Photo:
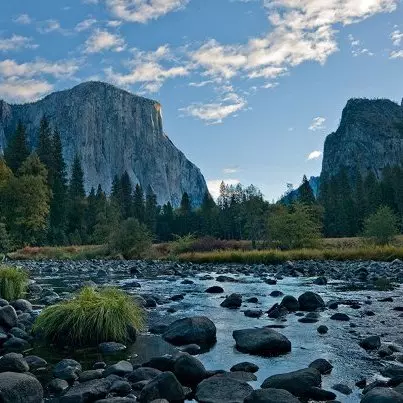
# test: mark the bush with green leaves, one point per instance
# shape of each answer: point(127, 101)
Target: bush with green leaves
point(92, 317)
point(131, 239)
point(382, 226)
point(295, 226)
point(13, 282)
point(5, 241)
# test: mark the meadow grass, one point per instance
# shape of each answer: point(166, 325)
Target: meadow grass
point(273, 256)
point(13, 282)
point(92, 317)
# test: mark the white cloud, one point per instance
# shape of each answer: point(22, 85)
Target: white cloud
point(357, 49)
point(215, 112)
point(16, 42)
point(51, 25)
point(85, 24)
point(150, 69)
point(396, 54)
point(230, 170)
point(318, 123)
point(396, 37)
point(10, 68)
point(17, 90)
point(100, 41)
point(114, 23)
point(314, 155)
point(143, 11)
point(23, 19)
point(214, 186)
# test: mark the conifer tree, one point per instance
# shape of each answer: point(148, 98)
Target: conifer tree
point(45, 148)
point(17, 150)
point(138, 204)
point(125, 199)
point(151, 210)
point(305, 193)
point(77, 204)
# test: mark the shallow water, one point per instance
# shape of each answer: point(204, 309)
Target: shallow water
point(339, 346)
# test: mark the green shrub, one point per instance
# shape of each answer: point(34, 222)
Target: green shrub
point(131, 239)
point(182, 244)
point(13, 282)
point(92, 317)
point(294, 227)
point(5, 242)
point(381, 227)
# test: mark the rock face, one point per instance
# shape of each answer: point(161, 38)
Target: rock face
point(370, 137)
point(112, 131)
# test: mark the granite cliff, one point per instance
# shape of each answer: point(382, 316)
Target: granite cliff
point(113, 131)
point(369, 137)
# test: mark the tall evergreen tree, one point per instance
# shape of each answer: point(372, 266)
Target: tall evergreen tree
point(165, 223)
point(77, 204)
point(151, 210)
point(45, 148)
point(125, 200)
point(58, 204)
point(17, 150)
point(138, 203)
point(305, 193)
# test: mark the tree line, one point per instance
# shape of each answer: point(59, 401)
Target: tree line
point(42, 204)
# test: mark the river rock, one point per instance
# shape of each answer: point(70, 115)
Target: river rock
point(215, 289)
point(221, 389)
point(67, 369)
point(21, 305)
point(290, 303)
point(262, 341)
point(15, 344)
point(164, 386)
point(322, 365)
point(189, 370)
point(310, 301)
point(57, 386)
point(233, 301)
point(382, 395)
point(8, 317)
point(298, 382)
point(340, 317)
point(344, 389)
point(111, 347)
point(322, 329)
point(143, 374)
point(271, 396)
point(13, 362)
point(89, 391)
point(121, 368)
point(245, 367)
point(35, 362)
point(19, 388)
point(371, 343)
point(197, 329)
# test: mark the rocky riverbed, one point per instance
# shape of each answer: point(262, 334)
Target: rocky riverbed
point(298, 331)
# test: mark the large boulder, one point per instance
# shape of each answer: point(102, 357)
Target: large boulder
point(143, 374)
point(298, 383)
point(382, 395)
point(189, 370)
point(21, 305)
point(164, 386)
point(19, 388)
point(271, 396)
point(67, 369)
point(197, 329)
point(222, 389)
point(262, 341)
point(310, 301)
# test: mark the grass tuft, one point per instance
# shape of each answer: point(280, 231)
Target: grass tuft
point(92, 317)
point(13, 282)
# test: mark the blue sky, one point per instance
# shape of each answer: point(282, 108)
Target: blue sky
point(249, 88)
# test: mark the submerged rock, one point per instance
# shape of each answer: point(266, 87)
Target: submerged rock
point(310, 301)
point(19, 388)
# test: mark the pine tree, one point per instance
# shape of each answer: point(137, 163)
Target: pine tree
point(125, 199)
point(77, 204)
point(165, 223)
point(138, 204)
point(91, 215)
point(151, 210)
point(305, 193)
point(17, 150)
point(208, 216)
point(58, 204)
point(45, 148)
